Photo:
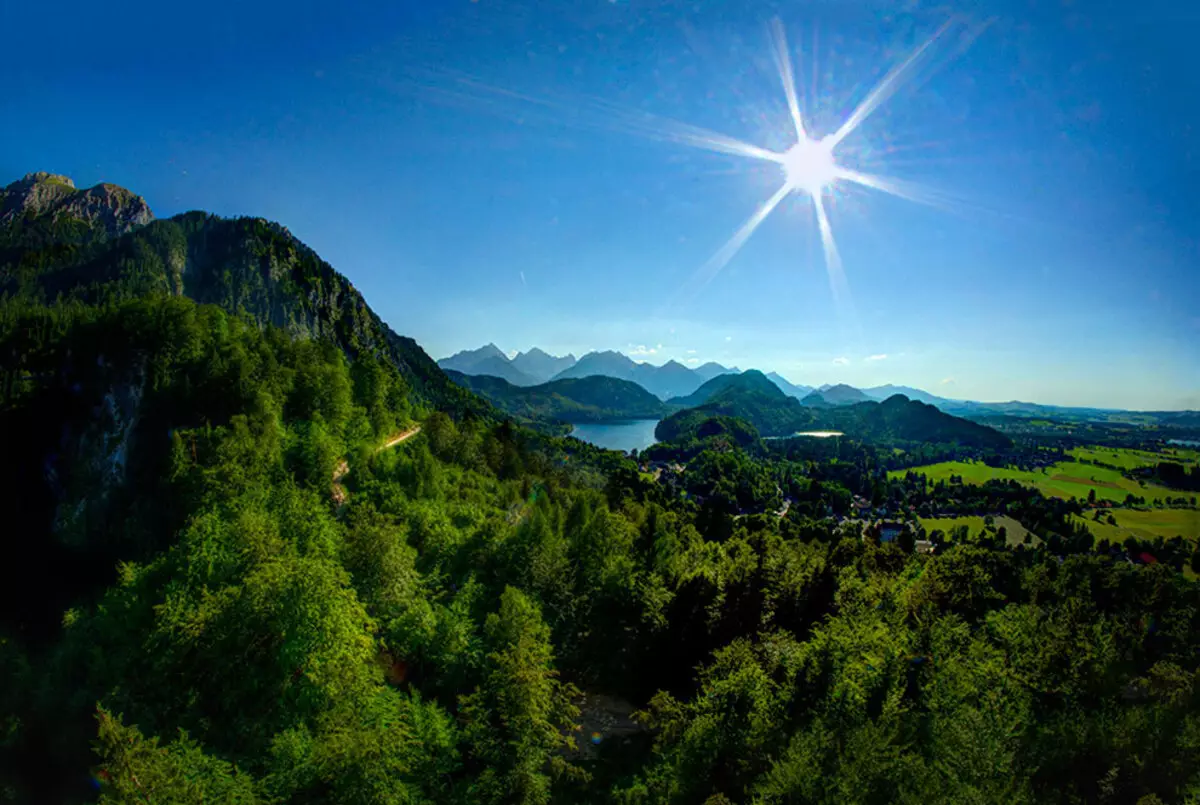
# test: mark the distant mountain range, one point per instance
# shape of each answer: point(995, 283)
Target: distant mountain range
point(487, 361)
point(668, 381)
point(674, 380)
point(541, 366)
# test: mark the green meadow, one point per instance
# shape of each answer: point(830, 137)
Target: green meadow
point(1066, 479)
point(1144, 524)
point(1014, 530)
point(1129, 459)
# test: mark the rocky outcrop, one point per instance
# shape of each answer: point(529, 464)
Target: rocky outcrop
point(105, 208)
point(97, 457)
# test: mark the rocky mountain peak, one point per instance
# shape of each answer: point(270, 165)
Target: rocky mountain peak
point(106, 207)
point(40, 177)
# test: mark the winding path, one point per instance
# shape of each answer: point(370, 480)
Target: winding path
point(395, 440)
point(342, 469)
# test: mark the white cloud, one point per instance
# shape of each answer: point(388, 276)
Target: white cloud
point(692, 360)
point(691, 352)
point(512, 353)
point(841, 361)
point(947, 381)
point(728, 338)
point(880, 357)
point(641, 349)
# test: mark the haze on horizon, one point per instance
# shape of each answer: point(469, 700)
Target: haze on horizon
point(1060, 266)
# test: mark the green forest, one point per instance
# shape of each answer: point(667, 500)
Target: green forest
point(221, 586)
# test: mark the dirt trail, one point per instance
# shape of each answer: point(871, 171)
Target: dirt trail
point(342, 469)
point(395, 440)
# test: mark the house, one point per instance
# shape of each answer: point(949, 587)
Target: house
point(924, 546)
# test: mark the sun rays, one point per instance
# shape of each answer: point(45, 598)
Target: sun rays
point(810, 166)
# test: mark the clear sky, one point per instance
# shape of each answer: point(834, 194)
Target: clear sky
point(1061, 263)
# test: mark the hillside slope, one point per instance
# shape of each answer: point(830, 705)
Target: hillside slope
point(248, 266)
point(749, 396)
point(672, 379)
point(583, 399)
point(758, 401)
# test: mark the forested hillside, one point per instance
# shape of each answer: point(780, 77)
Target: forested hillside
point(248, 266)
point(569, 399)
point(221, 587)
point(755, 399)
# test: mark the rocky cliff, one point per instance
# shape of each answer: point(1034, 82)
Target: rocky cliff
point(105, 209)
point(104, 245)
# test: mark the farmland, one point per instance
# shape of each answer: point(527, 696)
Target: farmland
point(1014, 530)
point(1128, 459)
point(1067, 479)
point(1144, 524)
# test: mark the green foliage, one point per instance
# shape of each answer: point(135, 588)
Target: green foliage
point(576, 399)
point(421, 631)
point(521, 715)
point(134, 768)
point(752, 397)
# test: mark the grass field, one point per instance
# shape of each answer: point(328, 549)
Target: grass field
point(1063, 480)
point(1014, 530)
point(1145, 524)
point(1132, 459)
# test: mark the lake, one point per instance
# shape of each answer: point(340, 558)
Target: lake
point(626, 435)
point(1183, 442)
point(812, 434)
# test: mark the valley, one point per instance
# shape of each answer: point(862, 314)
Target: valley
point(269, 551)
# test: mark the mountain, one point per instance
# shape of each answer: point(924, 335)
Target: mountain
point(840, 394)
point(103, 211)
point(881, 393)
point(749, 396)
point(251, 267)
point(608, 363)
point(576, 399)
point(815, 400)
point(501, 367)
point(908, 420)
point(541, 366)
point(466, 360)
point(708, 371)
point(752, 397)
point(524, 369)
point(487, 360)
point(750, 380)
point(242, 567)
point(789, 388)
point(672, 379)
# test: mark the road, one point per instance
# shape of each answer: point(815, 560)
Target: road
point(343, 468)
point(413, 431)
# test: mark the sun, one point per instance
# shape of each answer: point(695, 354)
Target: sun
point(809, 165)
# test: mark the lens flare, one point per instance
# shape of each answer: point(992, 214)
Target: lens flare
point(809, 165)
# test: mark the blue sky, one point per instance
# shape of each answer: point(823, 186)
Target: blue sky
point(1061, 265)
